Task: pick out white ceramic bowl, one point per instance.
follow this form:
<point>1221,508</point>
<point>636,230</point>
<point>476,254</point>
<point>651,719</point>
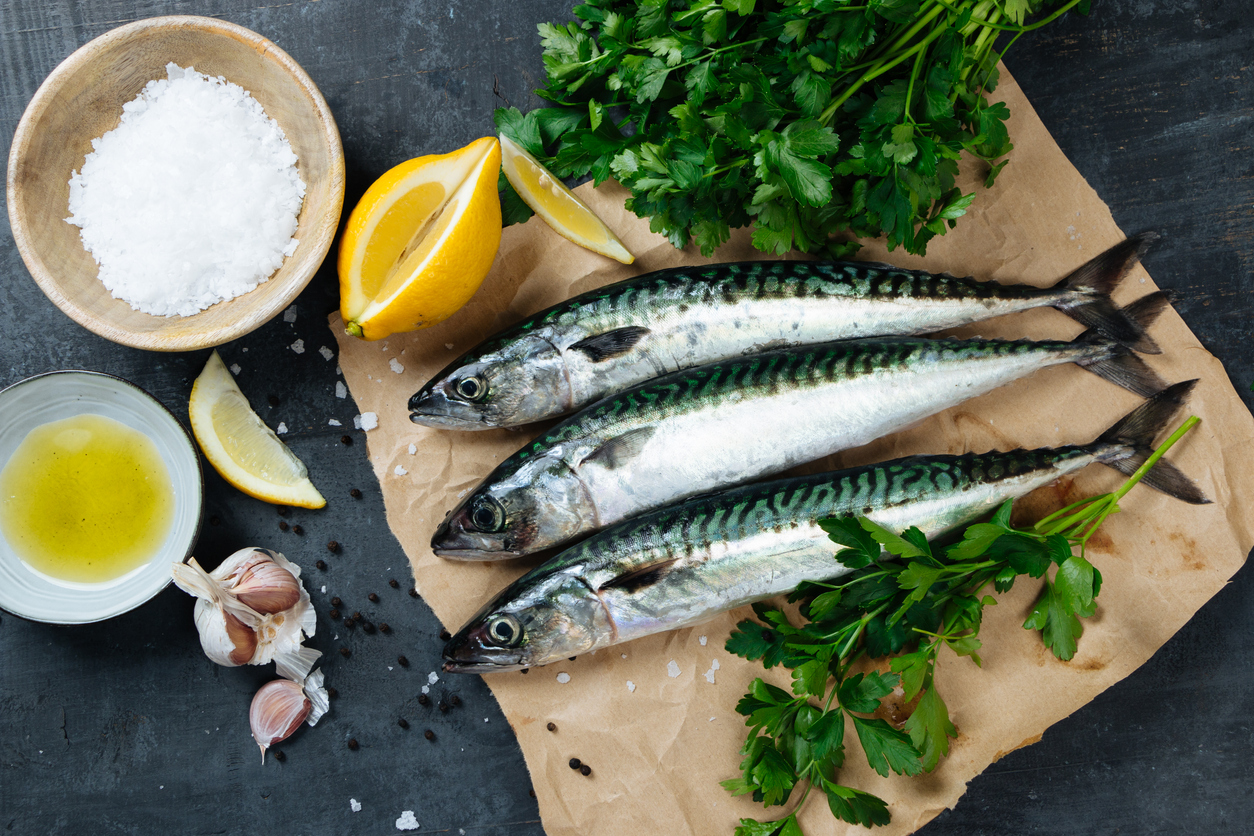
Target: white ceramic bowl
<point>57,395</point>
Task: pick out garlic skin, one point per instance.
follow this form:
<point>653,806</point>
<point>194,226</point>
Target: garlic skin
<point>280,707</point>
<point>225,619</point>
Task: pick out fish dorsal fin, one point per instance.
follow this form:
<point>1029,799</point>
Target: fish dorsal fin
<point>640,577</point>
<point>612,343</point>
<point>621,448</point>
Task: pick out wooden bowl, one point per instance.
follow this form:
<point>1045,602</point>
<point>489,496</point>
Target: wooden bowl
<point>82,99</point>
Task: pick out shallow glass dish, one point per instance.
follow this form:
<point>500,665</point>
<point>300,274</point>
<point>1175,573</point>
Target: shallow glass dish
<point>30,403</point>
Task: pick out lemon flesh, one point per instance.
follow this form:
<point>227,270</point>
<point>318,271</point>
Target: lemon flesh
<point>241,447</point>
<point>549,198</point>
<point>420,241</point>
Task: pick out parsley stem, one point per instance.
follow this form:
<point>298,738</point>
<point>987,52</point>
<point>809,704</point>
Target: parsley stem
<point>871,75</point>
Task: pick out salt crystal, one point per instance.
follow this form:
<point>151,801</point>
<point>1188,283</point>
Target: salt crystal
<point>331,422</point>
<point>289,315</point>
<point>631,686</point>
<point>282,428</point>
<point>369,420</point>
<point>326,353</point>
<point>413,448</point>
<point>341,391</point>
<point>426,689</point>
<point>235,369</point>
<point>192,199</point>
<point>354,805</point>
<point>407,821</point>
<point>395,365</point>
<point>357,422</point>
<point>432,678</point>
<point>672,669</point>
<point>563,677</point>
<point>449,346</point>
<point>709,675</point>
<point>703,640</point>
<point>298,346</point>
<point>400,471</point>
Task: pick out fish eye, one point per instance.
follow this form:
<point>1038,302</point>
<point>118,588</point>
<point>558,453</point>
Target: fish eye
<point>487,515</point>
<point>471,388</point>
<point>504,631</point>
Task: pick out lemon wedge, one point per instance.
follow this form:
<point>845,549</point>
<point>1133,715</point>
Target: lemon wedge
<point>549,198</point>
<point>420,241</point>
<point>241,447</point>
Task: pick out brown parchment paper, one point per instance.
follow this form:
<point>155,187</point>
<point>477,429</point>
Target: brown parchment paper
<point>655,718</point>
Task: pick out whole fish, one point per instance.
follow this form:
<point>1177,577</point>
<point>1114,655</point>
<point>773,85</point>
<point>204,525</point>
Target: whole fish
<point>607,340</point>
<point>689,562</point>
<point>726,423</point>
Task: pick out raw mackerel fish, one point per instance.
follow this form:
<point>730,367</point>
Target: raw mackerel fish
<point>607,340</point>
<point>689,562</point>
<point>727,423</point>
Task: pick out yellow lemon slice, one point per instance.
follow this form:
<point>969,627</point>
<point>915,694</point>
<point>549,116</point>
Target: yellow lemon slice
<point>241,447</point>
<point>549,198</point>
<point>420,241</point>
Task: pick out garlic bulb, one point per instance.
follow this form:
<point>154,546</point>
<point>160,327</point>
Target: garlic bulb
<point>281,706</point>
<point>235,632</point>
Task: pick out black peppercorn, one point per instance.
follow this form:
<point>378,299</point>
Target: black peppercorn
<point>321,564</point>
<point>423,699</point>
<point>215,521</point>
<point>333,546</point>
<point>283,510</point>
<point>413,593</point>
<point>335,614</point>
<point>273,399</point>
<point>524,670</point>
<point>443,706</point>
<point>352,743</point>
<point>532,793</point>
<point>345,652</point>
<point>332,693</point>
<point>394,583</point>
<point>356,616</point>
<point>571,659</point>
<point>374,599</point>
<point>283,526</point>
<point>585,770</point>
<point>349,623</point>
<point>368,627</point>
<point>279,756</point>
<point>403,723</point>
<point>355,494</point>
<point>552,727</point>
<point>384,628</point>
<point>335,602</point>
<point>429,735</point>
<point>346,439</point>
<point>575,763</point>
<point>404,663</point>
<point>444,635</point>
<point>455,700</point>
<point>296,529</point>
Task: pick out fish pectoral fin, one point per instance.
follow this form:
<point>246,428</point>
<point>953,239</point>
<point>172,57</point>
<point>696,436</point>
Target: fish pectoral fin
<point>640,577</point>
<point>612,343</point>
<point>620,449</point>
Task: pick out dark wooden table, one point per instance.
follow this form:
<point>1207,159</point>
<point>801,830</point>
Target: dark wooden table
<point>126,728</point>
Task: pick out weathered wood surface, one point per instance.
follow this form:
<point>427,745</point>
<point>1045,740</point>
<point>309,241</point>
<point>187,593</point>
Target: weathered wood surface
<point>1152,101</point>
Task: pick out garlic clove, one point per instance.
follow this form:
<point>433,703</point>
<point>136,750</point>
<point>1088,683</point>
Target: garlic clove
<point>243,640</point>
<point>264,585</point>
<point>277,711</point>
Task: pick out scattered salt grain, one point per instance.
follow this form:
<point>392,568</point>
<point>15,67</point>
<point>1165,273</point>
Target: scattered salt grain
<point>282,428</point>
<point>354,805</point>
<point>369,420</point>
<point>631,686</point>
<point>326,353</point>
<point>341,391</point>
<point>563,677</point>
<point>298,346</point>
<point>395,365</point>
<point>449,346</point>
<point>400,471</point>
<point>485,719</point>
<point>407,821</point>
<point>432,678</point>
<point>709,675</point>
<point>672,669</point>
<point>235,369</point>
<point>192,199</point>
<point>333,423</point>
<point>703,640</point>
<point>426,689</point>
<point>289,315</point>
<point>413,448</point>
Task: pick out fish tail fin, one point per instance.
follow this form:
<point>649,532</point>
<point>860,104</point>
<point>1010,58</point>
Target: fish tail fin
<point>1092,283</point>
<point>1115,361</point>
<point>1127,444</point>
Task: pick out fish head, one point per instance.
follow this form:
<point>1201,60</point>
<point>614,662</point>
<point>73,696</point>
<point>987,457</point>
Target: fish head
<point>542,504</point>
<point>543,617</point>
<point>521,381</point>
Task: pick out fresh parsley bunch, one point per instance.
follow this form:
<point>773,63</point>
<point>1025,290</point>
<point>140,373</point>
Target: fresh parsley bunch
<point>908,608</point>
<point>807,118</point>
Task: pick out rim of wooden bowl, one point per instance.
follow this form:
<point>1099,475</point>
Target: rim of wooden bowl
<point>319,236</point>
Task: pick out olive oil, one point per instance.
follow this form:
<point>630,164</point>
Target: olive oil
<point>86,499</point>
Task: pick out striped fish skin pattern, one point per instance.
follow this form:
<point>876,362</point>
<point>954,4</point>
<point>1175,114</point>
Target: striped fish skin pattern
<point>724,424</point>
<point>609,339</point>
<point>686,563</point>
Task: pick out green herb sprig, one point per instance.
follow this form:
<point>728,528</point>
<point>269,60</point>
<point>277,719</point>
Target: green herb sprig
<point>909,608</point>
<point>807,118</point>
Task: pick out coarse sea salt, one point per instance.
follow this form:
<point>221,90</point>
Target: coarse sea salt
<point>191,200</point>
